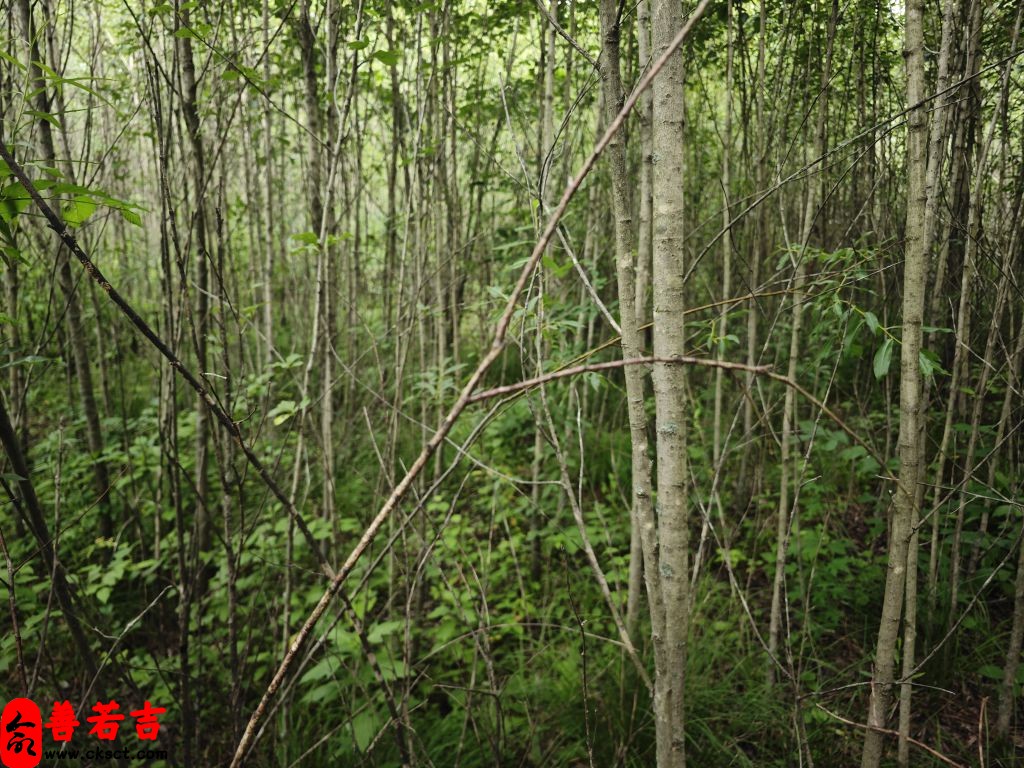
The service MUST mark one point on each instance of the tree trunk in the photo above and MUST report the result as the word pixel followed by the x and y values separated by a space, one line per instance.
pixel 904 518
pixel 642 512
pixel 786 512
pixel 77 337
pixel 671 404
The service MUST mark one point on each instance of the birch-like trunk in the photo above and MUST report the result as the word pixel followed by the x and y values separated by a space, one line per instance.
pixel 915 269
pixel 643 523
pixel 670 401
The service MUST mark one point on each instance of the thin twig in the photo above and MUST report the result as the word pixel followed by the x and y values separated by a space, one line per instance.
pixel 13 605
pixel 889 732
pixel 583 660
pixel 763 370
pixel 536 381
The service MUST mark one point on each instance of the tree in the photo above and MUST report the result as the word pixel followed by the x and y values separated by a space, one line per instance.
pixel 670 383
pixel 905 514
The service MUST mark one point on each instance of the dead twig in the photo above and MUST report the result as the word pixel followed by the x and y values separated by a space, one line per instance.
pixel 890 732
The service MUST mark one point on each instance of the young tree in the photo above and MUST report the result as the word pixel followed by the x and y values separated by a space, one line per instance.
pixel 915 270
pixel 672 409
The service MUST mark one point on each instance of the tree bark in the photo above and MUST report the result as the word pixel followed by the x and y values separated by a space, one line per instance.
pixel 642 512
pixel 904 518
pixel 671 404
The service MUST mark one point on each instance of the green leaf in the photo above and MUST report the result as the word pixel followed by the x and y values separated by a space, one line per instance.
pixel 64 188
pixel 389 58
pixel 44 116
pixel 358 45
pixel 325 692
pixel 13 200
pixel 322 670
pixel 929 363
pixel 872 322
pixel 382 630
pixel 392 669
pixel 11 60
pixel 283 411
pixel 927 369
pixel 307 238
pixel 131 216
pixel 8 248
pixel 27 360
pixel 991 671
pixel 78 210
pixel 79 82
pixel 364 728
pixel 883 357
pixel 48 72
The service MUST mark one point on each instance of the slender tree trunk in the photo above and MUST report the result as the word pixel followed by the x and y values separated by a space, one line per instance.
pixel 200 229
pixel 938 137
pixel 671 404
pixel 268 193
pixel 546 155
pixel 1007 701
pixel 971 259
pixel 905 514
pixel 77 336
pixel 786 514
pixel 727 247
pixel 327 227
pixel 965 118
pixel 646 206
pixel 744 484
pixel 642 512
pixel 643 528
